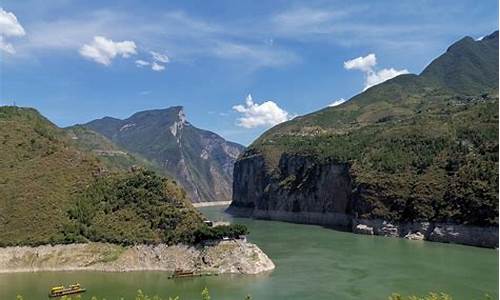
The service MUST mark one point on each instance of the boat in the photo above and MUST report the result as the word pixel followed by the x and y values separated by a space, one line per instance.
pixel 181 273
pixel 59 291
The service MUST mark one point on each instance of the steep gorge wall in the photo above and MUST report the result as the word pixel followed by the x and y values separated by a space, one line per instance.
pixel 301 190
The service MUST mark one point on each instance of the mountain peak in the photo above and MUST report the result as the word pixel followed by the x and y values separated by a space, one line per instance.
pixel 491 36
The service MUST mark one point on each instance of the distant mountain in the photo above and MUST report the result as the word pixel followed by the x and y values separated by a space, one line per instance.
pixel 200 160
pixel 414 148
pixel 113 157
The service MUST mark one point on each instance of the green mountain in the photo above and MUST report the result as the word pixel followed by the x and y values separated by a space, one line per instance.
pixel 113 157
pixel 200 160
pixel 414 148
pixel 41 173
pixel 52 190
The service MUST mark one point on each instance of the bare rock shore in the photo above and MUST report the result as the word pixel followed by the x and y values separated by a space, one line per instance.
pixel 232 256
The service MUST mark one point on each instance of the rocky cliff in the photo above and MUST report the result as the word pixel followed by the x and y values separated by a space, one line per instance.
pixel 200 160
pixel 303 191
pixel 415 149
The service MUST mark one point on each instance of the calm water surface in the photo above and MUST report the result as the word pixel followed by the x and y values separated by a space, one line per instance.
pixel 311 263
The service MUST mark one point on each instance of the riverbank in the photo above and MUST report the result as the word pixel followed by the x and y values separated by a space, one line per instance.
pixel 232 256
pixel 435 232
pixel 212 203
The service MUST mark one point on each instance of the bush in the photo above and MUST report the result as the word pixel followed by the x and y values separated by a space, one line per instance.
pixel 205 233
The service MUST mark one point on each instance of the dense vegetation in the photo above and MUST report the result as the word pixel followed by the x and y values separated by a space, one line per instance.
pixel 419 147
pixel 54 190
pixel 40 175
pixel 131 208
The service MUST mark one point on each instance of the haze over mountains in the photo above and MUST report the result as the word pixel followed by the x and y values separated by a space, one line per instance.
pixel 200 160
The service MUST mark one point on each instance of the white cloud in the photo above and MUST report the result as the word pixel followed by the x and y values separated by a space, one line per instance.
pixel 366 64
pixel 9 27
pixel 157 67
pixel 380 76
pixel 7 47
pixel 337 102
pixel 255 115
pixel 141 63
pixel 103 50
pixel 160 57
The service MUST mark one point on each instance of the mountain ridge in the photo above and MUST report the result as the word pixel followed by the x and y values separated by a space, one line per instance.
pixel 416 148
pixel 199 159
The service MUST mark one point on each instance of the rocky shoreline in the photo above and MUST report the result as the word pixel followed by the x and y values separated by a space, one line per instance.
pixel 232 256
pixel 429 231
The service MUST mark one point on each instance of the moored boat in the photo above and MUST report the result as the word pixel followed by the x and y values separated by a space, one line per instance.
pixel 60 291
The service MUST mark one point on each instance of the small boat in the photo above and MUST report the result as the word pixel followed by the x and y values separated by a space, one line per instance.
pixel 59 291
pixel 181 273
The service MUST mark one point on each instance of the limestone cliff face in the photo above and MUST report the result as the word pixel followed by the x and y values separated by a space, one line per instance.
pixel 299 191
pixel 302 190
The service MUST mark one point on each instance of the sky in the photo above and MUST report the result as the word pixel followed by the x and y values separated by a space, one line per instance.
pixel 237 67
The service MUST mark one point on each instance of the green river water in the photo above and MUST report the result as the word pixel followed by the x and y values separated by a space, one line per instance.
pixel 311 263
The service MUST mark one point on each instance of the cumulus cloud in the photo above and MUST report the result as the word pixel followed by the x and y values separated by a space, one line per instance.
pixel 366 64
pixel 103 50
pixel 337 102
pixel 255 115
pixel 374 78
pixel 157 67
pixel 9 27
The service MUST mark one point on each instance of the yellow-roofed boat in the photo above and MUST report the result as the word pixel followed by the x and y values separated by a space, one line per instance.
pixel 59 291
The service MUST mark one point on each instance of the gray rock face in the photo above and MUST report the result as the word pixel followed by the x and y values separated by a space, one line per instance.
pixel 436 232
pixel 362 229
pixel 468 235
pixel 200 160
pixel 303 191
pixel 417 236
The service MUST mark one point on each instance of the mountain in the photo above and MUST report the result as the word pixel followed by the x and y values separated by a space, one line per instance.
pixel 113 157
pixel 200 160
pixel 414 149
pixel 40 175
pixel 54 190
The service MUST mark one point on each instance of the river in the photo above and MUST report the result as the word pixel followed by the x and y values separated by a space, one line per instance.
pixel 311 263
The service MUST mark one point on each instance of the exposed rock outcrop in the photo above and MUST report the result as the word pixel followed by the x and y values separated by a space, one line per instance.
pixel 301 190
pixel 200 160
pixel 233 256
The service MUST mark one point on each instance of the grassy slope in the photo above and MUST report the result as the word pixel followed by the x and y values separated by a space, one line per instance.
pixel 52 191
pixel 112 156
pixel 40 175
pixel 421 147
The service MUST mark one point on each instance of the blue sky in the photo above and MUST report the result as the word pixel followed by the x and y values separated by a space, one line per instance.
pixel 79 60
